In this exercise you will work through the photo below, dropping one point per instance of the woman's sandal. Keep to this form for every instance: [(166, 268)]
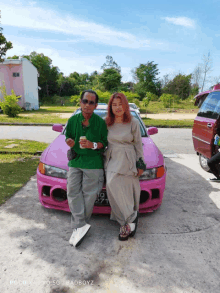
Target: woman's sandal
[(136, 223), (125, 231)]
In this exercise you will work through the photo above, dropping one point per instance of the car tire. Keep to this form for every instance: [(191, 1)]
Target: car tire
[(203, 163)]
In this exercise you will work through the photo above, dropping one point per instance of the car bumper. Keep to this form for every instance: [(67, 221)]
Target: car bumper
[(53, 194)]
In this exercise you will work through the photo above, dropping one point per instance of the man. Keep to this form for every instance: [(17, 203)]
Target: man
[(86, 174), (214, 161)]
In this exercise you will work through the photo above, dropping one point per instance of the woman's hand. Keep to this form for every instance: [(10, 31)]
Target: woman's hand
[(140, 172), (70, 142)]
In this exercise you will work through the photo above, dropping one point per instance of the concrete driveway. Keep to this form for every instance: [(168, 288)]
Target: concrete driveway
[(175, 250)]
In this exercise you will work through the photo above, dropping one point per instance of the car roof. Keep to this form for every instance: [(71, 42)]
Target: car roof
[(102, 107), (202, 94)]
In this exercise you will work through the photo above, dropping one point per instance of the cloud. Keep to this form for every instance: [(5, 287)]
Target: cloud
[(183, 21), (80, 64), (31, 16), (66, 65)]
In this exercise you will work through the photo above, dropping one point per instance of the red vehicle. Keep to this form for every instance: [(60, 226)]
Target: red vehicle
[(206, 124)]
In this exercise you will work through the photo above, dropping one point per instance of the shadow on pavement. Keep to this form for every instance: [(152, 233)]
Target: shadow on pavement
[(176, 248)]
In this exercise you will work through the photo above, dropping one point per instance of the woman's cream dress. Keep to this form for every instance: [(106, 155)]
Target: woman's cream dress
[(122, 186)]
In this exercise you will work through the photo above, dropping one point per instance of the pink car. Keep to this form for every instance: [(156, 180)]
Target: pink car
[(52, 173)]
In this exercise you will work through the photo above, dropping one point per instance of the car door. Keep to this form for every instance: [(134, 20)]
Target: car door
[(205, 125)]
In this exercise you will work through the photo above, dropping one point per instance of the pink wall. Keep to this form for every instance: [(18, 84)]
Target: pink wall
[(15, 83)]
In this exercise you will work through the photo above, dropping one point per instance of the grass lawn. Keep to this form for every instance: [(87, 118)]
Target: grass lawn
[(56, 109), (187, 123), (181, 107), (17, 168), (49, 114), (34, 118)]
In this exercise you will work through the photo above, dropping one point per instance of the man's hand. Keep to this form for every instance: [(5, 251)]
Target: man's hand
[(140, 172), (85, 143), (70, 142)]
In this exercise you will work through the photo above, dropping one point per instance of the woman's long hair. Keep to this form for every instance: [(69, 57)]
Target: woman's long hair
[(110, 119)]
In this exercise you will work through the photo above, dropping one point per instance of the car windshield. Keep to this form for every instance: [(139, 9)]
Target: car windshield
[(133, 106), (211, 106), (103, 113)]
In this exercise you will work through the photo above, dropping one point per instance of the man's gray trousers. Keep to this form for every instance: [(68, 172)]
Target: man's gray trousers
[(83, 186)]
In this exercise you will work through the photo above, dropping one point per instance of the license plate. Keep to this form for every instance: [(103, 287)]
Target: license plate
[(102, 199)]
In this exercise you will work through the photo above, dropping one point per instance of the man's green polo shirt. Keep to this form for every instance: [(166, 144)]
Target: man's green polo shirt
[(96, 131)]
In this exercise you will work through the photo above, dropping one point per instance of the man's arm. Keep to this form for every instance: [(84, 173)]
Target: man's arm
[(102, 142), (69, 141)]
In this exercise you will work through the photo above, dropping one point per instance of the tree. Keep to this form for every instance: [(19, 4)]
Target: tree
[(180, 85), (110, 63), (67, 86), (206, 67), (93, 76), (127, 86), (165, 80), (146, 77), (4, 45), (13, 57), (110, 79), (197, 76), (49, 74)]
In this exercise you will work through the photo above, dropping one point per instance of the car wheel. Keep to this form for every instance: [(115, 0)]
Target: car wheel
[(203, 162)]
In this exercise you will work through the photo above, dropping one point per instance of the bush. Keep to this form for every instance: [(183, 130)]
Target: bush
[(75, 100), (146, 102), (103, 96), (143, 110), (9, 105), (131, 96), (152, 96), (46, 101), (136, 101), (168, 100)]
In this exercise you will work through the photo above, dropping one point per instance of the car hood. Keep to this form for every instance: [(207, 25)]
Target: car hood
[(56, 154), (152, 155)]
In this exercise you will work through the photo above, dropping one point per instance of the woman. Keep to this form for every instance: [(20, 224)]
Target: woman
[(124, 164)]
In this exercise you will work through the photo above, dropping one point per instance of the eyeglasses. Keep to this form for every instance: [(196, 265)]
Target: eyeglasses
[(85, 101)]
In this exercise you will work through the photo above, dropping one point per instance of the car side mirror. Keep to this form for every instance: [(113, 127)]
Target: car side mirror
[(57, 127), (152, 130)]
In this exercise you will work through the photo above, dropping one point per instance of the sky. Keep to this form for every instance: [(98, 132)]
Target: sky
[(78, 35)]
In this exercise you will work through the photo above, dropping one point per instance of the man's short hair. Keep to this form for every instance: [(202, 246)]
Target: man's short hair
[(91, 92)]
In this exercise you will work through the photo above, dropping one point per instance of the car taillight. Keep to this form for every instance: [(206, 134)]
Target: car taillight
[(41, 168), (160, 171)]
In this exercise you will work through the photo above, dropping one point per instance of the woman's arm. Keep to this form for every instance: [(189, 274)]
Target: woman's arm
[(135, 129)]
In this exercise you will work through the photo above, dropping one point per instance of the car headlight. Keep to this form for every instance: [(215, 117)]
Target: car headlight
[(153, 173), (52, 171)]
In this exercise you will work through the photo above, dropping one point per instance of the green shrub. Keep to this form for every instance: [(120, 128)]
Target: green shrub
[(75, 100), (169, 100), (131, 96), (136, 101), (143, 110), (152, 96), (146, 102), (56, 99), (46, 101), (10, 105)]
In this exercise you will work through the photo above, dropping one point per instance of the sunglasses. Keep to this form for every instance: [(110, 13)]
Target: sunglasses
[(85, 101)]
